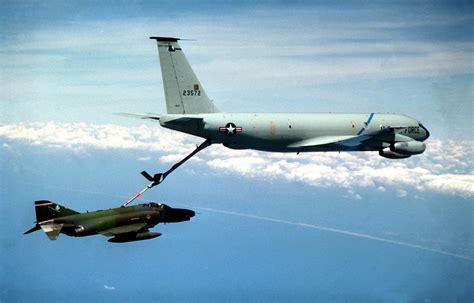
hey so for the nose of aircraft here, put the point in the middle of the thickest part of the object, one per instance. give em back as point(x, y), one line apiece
point(185, 214)
point(426, 132)
point(179, 215)
point(189, 214)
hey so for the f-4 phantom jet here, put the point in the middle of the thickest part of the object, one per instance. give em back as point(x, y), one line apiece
point(124, 224)
point(190, 110)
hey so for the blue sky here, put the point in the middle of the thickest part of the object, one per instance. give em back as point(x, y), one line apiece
point(272, 227)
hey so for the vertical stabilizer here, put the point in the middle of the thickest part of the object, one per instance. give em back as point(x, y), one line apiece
point(47, 210)
point(183, 92)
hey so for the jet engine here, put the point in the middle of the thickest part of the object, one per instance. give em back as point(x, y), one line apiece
point(387, 153)
point(408, 148)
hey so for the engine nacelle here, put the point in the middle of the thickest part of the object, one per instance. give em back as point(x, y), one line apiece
point(408, 148)
point(387, 153)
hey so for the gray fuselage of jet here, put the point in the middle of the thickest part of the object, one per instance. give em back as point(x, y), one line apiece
point(297, 132)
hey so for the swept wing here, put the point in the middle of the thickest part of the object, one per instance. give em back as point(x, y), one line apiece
point(124, 229)
point(384, 135)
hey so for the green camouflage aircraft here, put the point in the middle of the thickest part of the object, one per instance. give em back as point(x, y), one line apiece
point(124, 224)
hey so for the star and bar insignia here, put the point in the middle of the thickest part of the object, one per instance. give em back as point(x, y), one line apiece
point(230, 129)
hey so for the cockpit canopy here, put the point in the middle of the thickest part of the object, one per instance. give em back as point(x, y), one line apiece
point(156, 205)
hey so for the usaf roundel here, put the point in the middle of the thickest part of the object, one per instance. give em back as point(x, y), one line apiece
point(230, 129)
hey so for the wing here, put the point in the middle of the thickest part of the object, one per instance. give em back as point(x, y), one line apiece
point(383, 135)
point(124, 229)
point(323, 140)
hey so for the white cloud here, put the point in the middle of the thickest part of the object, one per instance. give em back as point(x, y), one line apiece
point(402, 193)
point(77, 136)
point(381, 189)
point(446, 167)
point(144, 158)
point(107, 287)
point(7, 147)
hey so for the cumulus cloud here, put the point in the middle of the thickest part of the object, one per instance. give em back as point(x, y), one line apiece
point(402, 193)
point(446, 167)
point(77, 136)
point(144, 158)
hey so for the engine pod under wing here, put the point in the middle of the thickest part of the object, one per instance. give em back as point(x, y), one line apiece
point(130, 237)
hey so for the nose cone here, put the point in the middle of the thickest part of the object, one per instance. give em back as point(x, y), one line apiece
point(188, 214)
point(425, 131)
point(178, 215)
point(184, 214)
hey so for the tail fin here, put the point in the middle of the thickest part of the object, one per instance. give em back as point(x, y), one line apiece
point(47, 210)
point(183, 92)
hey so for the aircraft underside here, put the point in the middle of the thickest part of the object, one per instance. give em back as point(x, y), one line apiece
point(277, 147)
point(295, 133)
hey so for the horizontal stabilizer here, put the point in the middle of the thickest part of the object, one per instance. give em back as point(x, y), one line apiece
point(165, 39)
point(180, 121)
point(140, 116)
point(52, 230)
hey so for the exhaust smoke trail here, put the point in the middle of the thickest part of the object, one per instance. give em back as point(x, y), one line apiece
point(342, 232)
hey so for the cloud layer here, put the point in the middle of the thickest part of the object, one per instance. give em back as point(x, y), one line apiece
point(446, 167)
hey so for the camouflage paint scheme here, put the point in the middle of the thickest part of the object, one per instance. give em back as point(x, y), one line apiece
point(124, 224)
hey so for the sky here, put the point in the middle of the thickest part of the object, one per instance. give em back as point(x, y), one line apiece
point(271, 227)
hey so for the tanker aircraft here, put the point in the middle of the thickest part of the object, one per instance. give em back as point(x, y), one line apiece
point(124, 224)
point(190, 110)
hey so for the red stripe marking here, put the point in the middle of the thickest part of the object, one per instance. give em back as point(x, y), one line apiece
point(50, 203)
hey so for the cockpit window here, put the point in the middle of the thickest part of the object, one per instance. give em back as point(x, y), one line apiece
point(153, 204)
